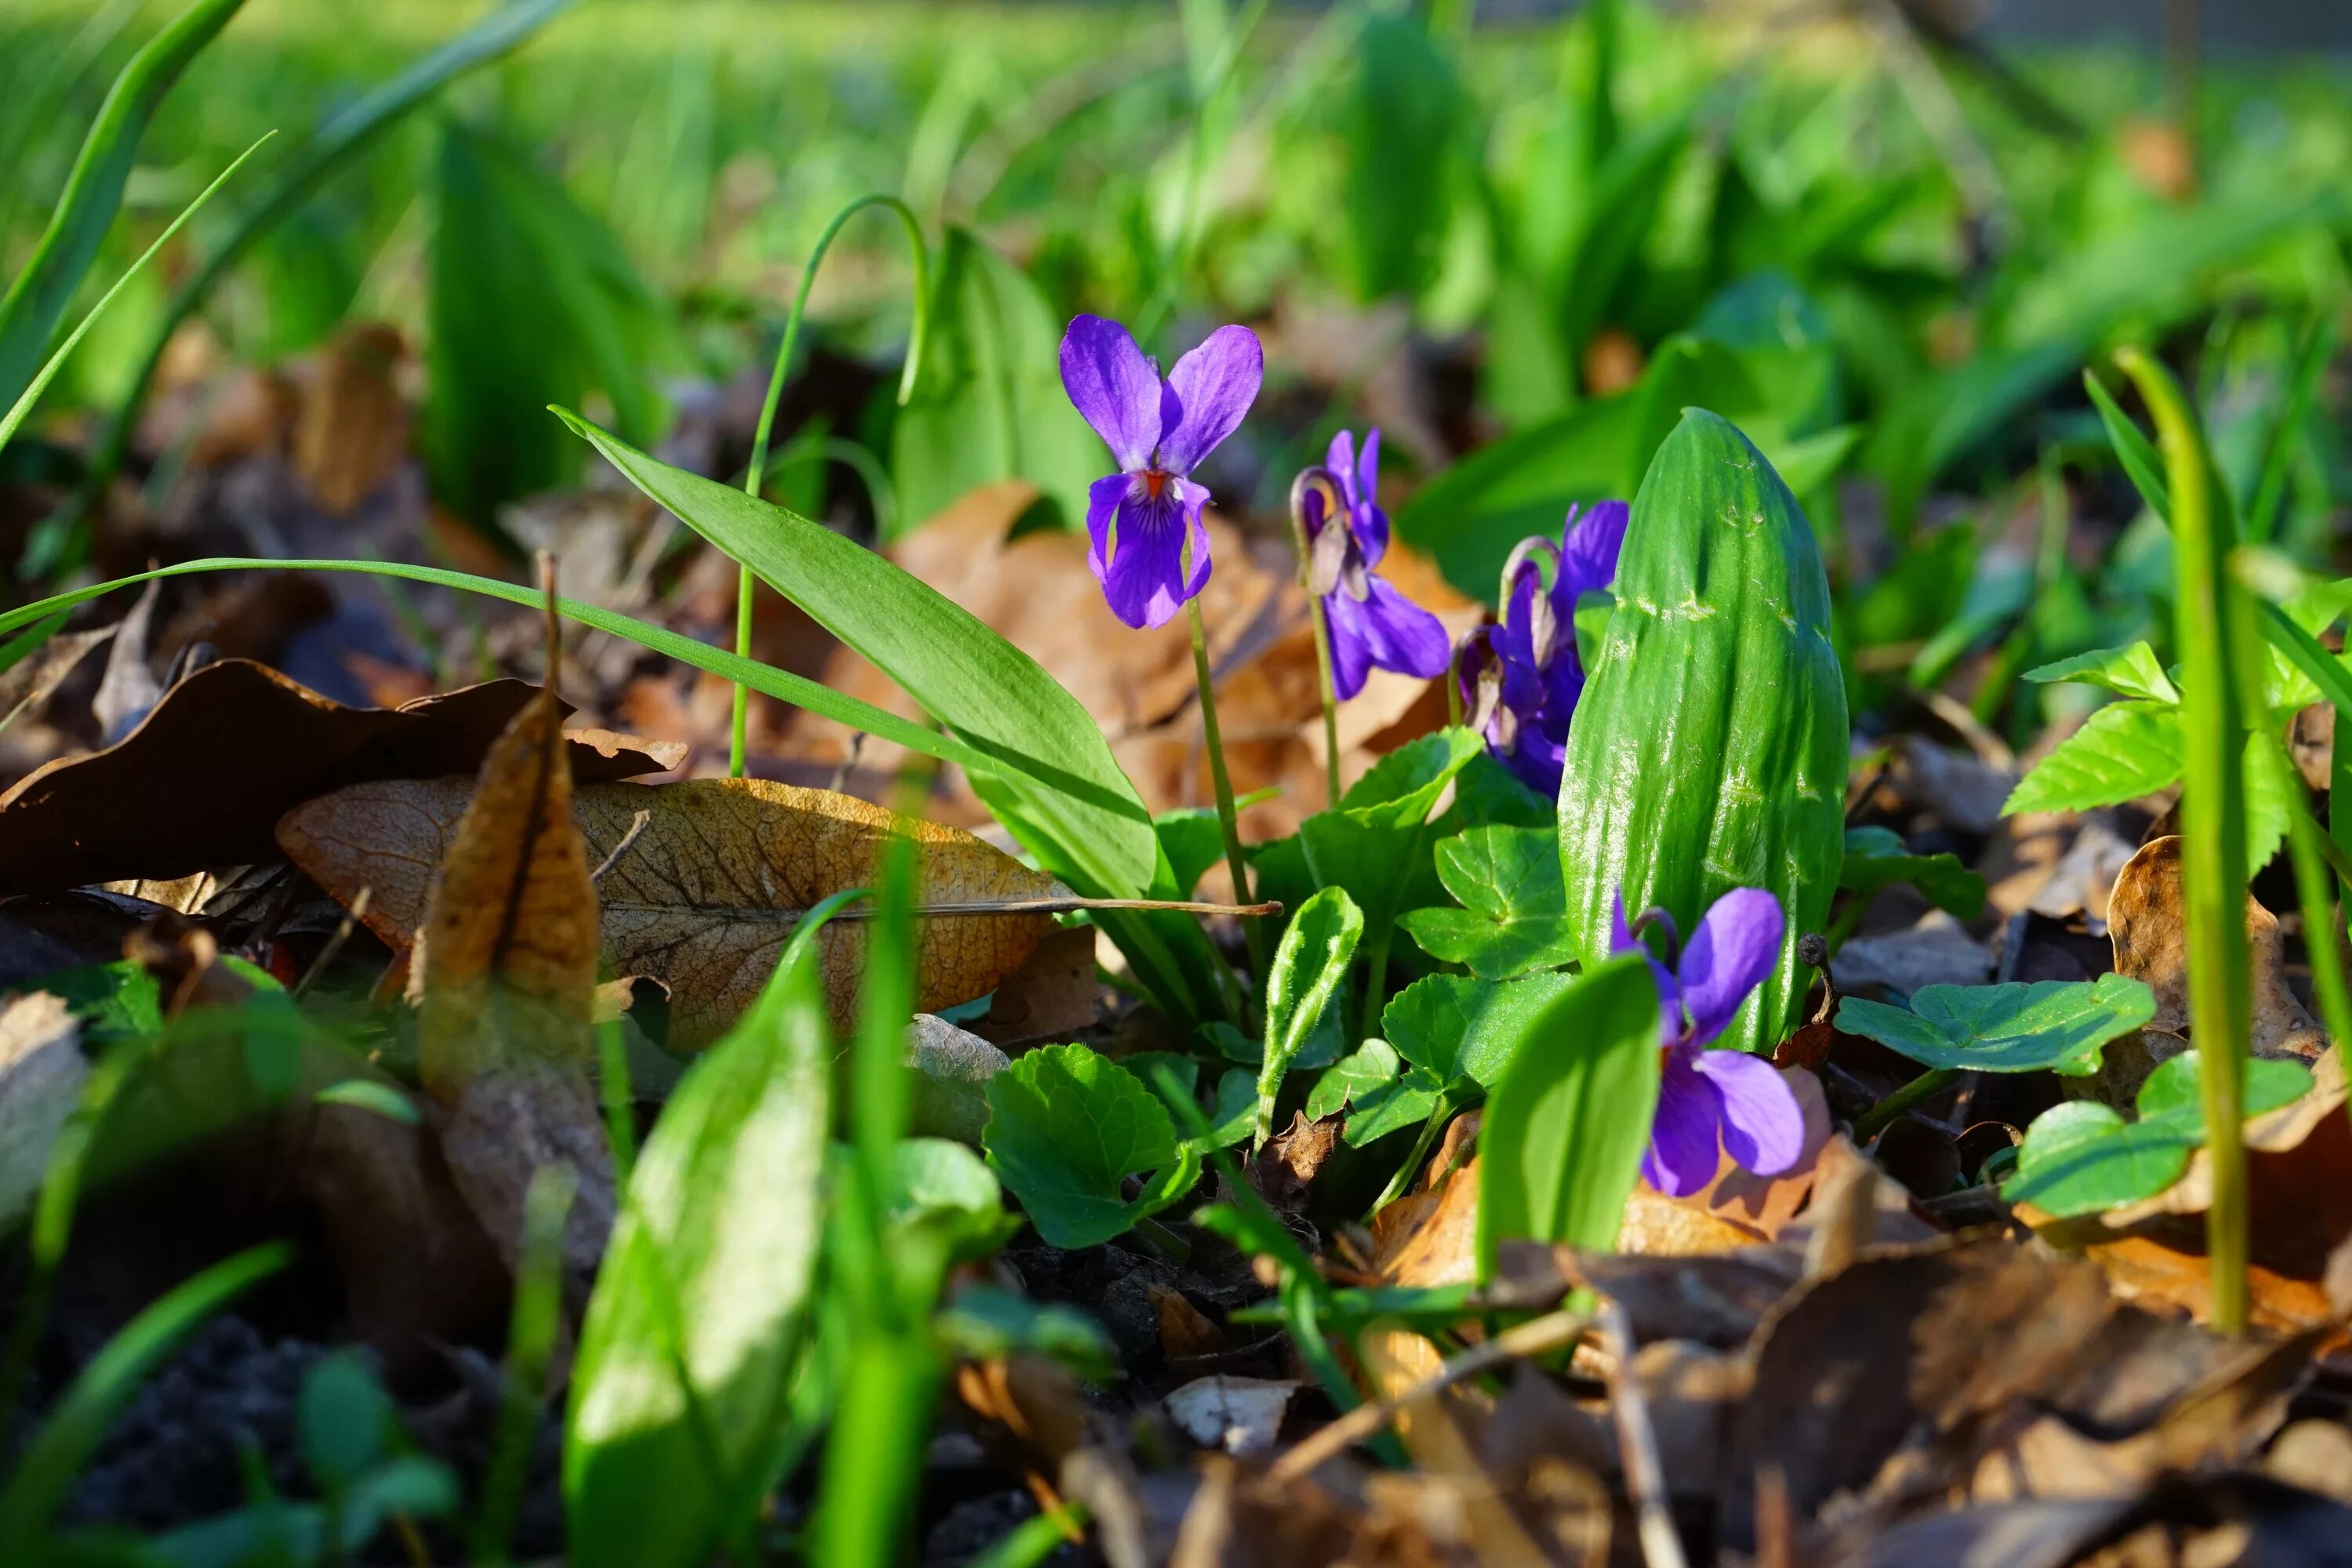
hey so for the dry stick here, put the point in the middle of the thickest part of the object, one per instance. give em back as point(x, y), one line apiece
point(1637, 1442)
point(1532, 1338)
point(351, 917)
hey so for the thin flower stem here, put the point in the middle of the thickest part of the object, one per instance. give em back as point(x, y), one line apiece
point(1330, 702)
point(1228, 819)
point(1439, 1115)
point(2212, 624)
point(1926, 1086)
point(766, 427)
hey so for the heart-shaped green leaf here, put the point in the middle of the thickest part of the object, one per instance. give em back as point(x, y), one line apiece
point(2055, 1025)
point(1514, 913)
point(1876, 860)
point(2081, 1157)
point(1381, 1092)
point(1066, 1128)
point(1462, 1032)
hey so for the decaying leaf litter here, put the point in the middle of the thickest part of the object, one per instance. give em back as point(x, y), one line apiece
point(1533, 1029)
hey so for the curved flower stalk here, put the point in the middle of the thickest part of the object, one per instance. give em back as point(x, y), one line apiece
point(1520, 680)
point(1149, 549)
point(1710, 1096)
point(1361, 621)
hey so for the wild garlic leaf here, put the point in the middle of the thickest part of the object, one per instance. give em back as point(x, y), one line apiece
point(1514, 913)
point(1378, 1091)
point(1309, 968)
point(2133, 671)
point(2081, 1156)
point(1463, 1032)
point(2056, 1024)
point(1066, 1128)
point(2124, 751)
point(1875, 860)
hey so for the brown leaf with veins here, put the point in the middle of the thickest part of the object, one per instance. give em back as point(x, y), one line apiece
point(704, 898)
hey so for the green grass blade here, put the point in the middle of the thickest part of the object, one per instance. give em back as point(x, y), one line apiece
point(784, 686)
point(531, 1343)
point(36, 301)
point(80, 1418)
point(2270, 491)
point(2212, 629)
point(23, 406)
point(2133, 449)
point(345, 134)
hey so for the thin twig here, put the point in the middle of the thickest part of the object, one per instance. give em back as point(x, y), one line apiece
point(1637, 1442)
point(1532, 1338)
point(351, 917)
point(628, 842)
point(848, 761)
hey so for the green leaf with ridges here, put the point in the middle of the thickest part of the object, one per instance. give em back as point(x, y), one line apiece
point(2056, 1024)
point(2081, 1156)
point(1514, 914)
point(1560, 1144)
point(1066, 1128)
point(1709, 747)
point(1308, 968)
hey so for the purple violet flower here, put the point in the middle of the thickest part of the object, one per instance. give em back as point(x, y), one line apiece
point(1142, 518)
point(1704, 1094)
point(1369, 622)
point(1520, 679)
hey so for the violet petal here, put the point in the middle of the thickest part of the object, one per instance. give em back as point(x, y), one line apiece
point(1143, 576)
point(1730, 955)
point(1114, 388)
point(1588, 548)
point(1763, 1127)
point(1683, 1156)
point(1214, 384)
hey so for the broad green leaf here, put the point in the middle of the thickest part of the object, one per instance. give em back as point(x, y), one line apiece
point(339, 138)
point(700, 1313)
point(936, 1183)
point(2272, 786)
point(1372, 845)
point(2124, 751)
point(2081, 1157)
point(988, 402)
point(36, 301)
point(2133, 671)
point(1514, 914)
point(46, 1467)
point(1380, 1092)
point(1464, 1032)
point(2052, 1024)
point(1402, 122)
point(1561, 1140)
point(1066, 1128)
point(1233, 1118)
point(1875, 860)
point(1469, 517)
point(1055, 784)
point(341, 1419)
point(1307, 972)
point(1400, 789)
point(1193, 840)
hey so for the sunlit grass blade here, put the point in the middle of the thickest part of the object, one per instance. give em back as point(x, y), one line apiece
point(80, 1418)
point(23, 406)
point(36, 301)
point(345, 134)
point(2212, 629)
point(530, 1342)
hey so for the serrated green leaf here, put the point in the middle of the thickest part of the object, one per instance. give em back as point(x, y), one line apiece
point(1381, 1092)
point(938, 1185)
point(1398, 790)
point(1560, 1144)
point(2271, 785)
point(2081, 1156)
point(2124, 751)
point(2133, 671)
point(1464, 1032)
point(1066, 1128)
point(1875, 860)
point(2056, 1024)
point(1308, 968)
point(1514, 914)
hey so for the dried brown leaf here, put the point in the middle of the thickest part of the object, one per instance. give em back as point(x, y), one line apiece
point(241, 745)
point(2147, 922)
point(705, 898)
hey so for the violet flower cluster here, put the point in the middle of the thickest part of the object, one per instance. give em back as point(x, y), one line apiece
point(1520, 677)
point(1710, 1096)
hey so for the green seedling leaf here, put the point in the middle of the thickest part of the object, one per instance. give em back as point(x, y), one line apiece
point(1561, 1140)
point(2124, 751)
point(939, 1186)
point(2133, 671)
point(1875, 860)
point(2082, 1157)
point(1233, 1118)
point(115, 1001)
point(276, 1530)
point(1066, 1128)
point(984, 1322)
point(46, 1468)
point(696, 1326)
point(1307, 972)
point(988, 403)
point(1514, 913)
point(341, 1420)
point(1464, 1033)
point(1380, 1092)
point(2056, 1024)
point(36, 301)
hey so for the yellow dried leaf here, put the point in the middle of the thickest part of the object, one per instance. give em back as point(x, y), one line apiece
point(703, 898)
